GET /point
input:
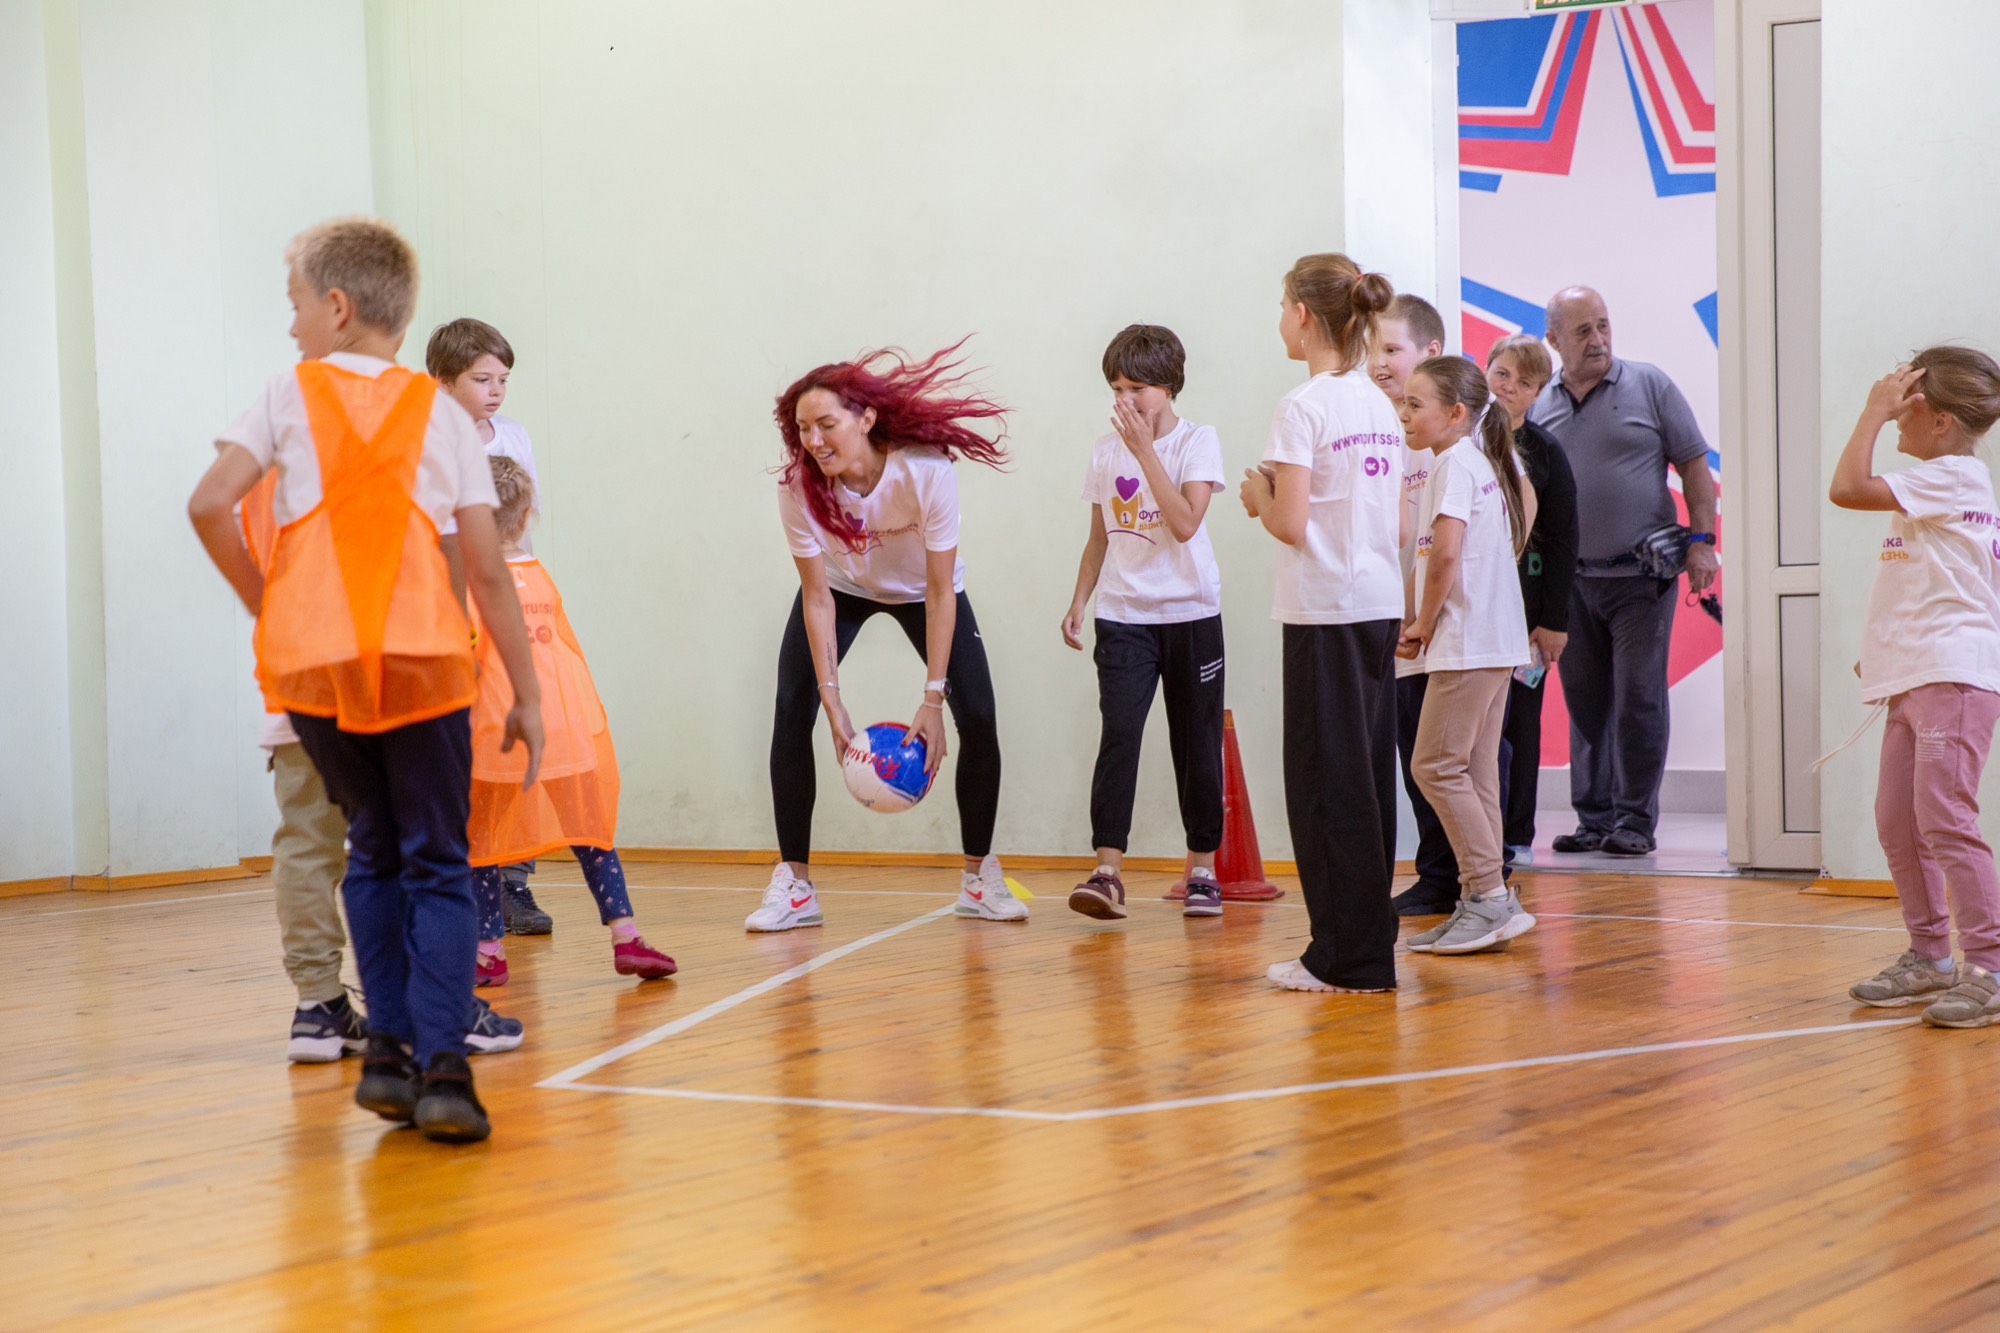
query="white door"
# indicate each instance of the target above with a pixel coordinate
(1769, 218)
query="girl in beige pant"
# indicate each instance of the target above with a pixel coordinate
(1466, 623)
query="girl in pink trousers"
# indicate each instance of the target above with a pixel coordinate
(1930, 652)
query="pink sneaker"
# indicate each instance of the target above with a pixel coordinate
(492, 970)
(636, 958)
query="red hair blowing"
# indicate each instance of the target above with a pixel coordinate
(921, 403)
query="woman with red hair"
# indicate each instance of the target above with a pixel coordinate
(870, 506)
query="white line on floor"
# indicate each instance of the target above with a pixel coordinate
(724, 1005)
(1219, 1099)
(126, 907)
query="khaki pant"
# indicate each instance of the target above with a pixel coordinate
(1456, 762)
(308, 858)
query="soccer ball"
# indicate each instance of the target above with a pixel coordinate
(882, 772)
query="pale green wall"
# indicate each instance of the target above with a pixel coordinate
(34, 664)
(1907, 260)
(672, 210)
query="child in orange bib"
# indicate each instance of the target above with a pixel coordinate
(575, 805)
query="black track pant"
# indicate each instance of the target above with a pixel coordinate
(793, 789)
(1131, 661)
(1340, 794)
(1521, 760)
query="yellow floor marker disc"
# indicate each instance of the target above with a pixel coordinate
(1019, 892)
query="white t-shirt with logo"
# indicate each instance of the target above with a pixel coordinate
(1150, 578)
(1346, 571)
(1482, 624)
(1416, 472)
(912, 511)
(1934, 615)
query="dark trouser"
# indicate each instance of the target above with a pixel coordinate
(1340, 795)
(407, 795)
(603, 875)
(1521, 761)
(1614, 675)
(1131, 661)
(516, 876)
(793, 789)
(1437, 868)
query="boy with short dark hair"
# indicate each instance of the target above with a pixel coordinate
(361, 640)
(1159, 612)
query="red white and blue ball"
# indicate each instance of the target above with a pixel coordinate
(882, 771)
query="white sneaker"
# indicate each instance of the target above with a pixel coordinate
(1292, 975)
(789, 903)
(1485, 922)
(986, 895)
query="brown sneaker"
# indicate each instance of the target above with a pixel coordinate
(1101, 896)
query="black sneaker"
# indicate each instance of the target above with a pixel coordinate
(389, 1080)
(1204, 897)
(491, 1032)
(1426, 899)
(449, 1110)
(522, 914)
(324, 1031)
(1583, 840)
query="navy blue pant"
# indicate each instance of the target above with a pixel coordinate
(407, 795)
(603, 875)
(1614, 675)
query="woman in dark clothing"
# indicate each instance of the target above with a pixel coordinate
(1516, 370)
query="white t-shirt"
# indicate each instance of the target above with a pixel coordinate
(1482, 624)
(1416, 472)
(1345, 430)
(913, 510)
(1149, 578)
(1934, 615)
(451, 475)
(510, 440)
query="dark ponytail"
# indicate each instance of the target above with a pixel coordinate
(1459, 383)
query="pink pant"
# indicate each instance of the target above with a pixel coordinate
(1927, 816)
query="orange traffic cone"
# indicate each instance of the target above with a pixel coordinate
(1240, 866)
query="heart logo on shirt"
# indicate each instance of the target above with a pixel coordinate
(1127, 487)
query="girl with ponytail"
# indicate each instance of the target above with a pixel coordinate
(1468, 628)
(869, 501)
(1330, 491)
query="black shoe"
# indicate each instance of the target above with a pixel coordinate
(1625, 842)
(389, 1080)
(523, 916)
(324, 1031)
(449, 1110)
(1583, 840)
(1422, 899)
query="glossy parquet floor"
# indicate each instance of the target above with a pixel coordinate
(1659, 1110)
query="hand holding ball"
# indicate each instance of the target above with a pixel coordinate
(884, 773)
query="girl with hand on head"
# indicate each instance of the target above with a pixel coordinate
(1468, 628)
(869, 501)
(1930, 653)
(1330, 491)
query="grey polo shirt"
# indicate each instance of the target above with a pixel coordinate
(1620, 440)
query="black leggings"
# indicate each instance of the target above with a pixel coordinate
(793, 788)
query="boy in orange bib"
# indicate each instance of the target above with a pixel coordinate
(575, 805)
(361, 640)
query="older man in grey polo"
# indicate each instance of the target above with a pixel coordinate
(1622, 424)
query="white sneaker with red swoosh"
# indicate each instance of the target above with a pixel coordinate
(789, 903)
(986, 895)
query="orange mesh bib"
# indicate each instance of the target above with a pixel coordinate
(574, 803)
(359, 623)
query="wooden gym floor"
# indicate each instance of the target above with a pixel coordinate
(1658, 1111)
